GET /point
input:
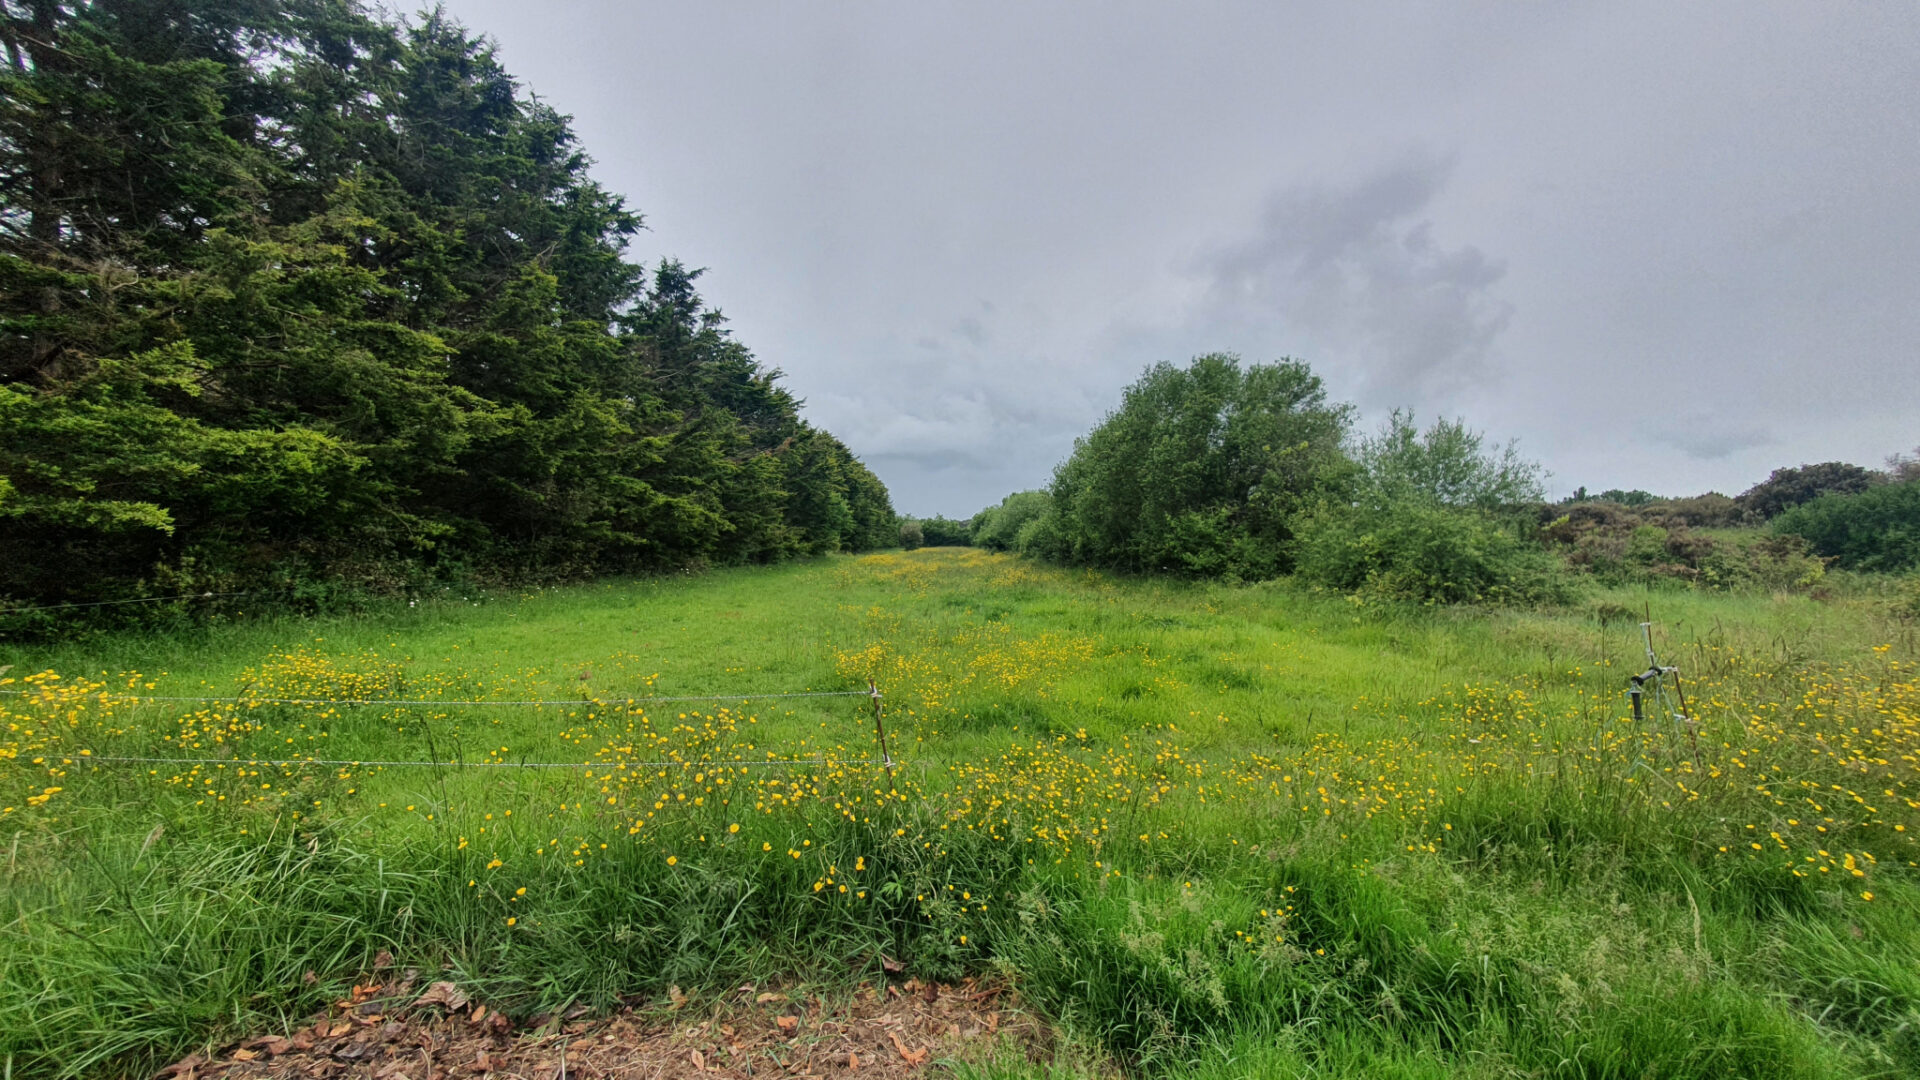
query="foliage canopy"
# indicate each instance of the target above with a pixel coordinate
(290, 293)
(1876, 529)
(1201, 470)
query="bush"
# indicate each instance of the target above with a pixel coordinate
(1446, 465)
(1432, 521)
(1877, 529)
(1785, 489)
(946, 532)
(1712, 510)
(1202, 470)
(1656, 544)
(912, 535)
(997, 528)
(1427, 553)
(1041, 537)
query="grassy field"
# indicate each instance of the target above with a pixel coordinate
(1213, 831)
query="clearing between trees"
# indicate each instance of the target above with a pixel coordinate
(1201, 829)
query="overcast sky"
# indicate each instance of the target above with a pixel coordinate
(1666, 246)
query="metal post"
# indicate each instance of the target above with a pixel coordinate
(879, 729)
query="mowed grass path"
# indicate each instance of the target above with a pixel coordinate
(1248, 831)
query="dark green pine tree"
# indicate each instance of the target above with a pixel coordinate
(292, 294)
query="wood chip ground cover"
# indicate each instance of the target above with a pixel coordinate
(396, 1031)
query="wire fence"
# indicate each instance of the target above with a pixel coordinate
(115, 603)
(455, 764)
(872, 692)
(411, 702)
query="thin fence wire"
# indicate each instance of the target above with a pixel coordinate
(112, 603)
(598, 702)
(86, 759)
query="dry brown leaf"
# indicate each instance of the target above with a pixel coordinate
(853, 1061)
(787, 1023)
(770, 996)
(699, 1061)
(382, 960)
(911, 1057)
(479, 1014)
(891, 966)
(675, 995)
(443, 993)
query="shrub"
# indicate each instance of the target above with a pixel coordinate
(1202, 470)
(1701, 511)
(1431, 521)
(1785, 489)
(998, 527)
(1427, 553)
(1876, 529)
(1656, 544)
(912, 535)
(1041, 537)
(1446, 465)
(946, 532)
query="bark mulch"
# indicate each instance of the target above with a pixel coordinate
(394, 1031)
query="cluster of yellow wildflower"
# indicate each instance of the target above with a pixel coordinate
(1818, 774)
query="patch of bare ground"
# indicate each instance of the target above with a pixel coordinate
(395, 1031)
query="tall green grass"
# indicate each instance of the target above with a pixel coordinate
(1568, 926)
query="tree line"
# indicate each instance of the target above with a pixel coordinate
(1225, 470)
(293, 295)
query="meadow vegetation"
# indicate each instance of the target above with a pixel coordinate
(1212, 830)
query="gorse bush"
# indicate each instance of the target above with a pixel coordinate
(1785, 489)
(1876, 529)
(1656, 544)
(1202, 471)
(290, 294)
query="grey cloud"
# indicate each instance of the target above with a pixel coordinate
(978, 411)
(1704, 436)
(1614, 198)
(1353, 274)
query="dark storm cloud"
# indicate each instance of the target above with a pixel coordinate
(1353, 273)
